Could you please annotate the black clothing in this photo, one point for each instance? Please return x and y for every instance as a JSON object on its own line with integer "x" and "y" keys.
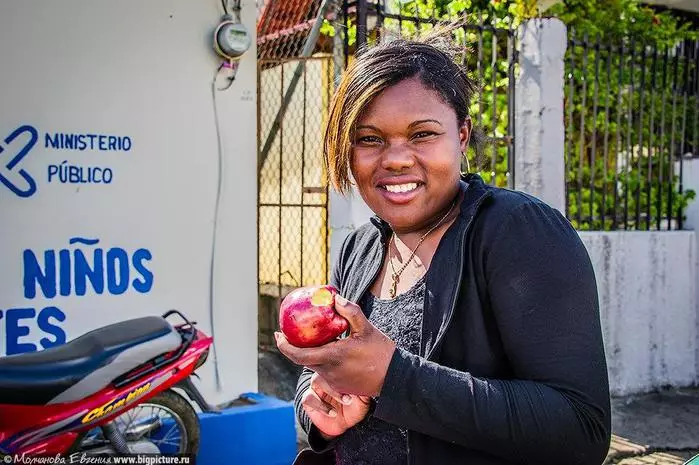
{"x": 511, "y": 367}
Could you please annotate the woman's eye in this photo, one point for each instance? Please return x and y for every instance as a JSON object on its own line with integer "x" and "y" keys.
{"x": 368, "y": 140}
{"x": 423, "y": 134}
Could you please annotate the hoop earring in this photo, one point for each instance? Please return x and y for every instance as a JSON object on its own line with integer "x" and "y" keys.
{"x": 468, "y": 165}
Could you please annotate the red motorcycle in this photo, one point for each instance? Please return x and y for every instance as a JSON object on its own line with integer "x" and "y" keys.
{"x": 107, "y": 392}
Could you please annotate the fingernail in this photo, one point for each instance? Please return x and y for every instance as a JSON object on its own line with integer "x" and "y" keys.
{"x": 346, "y": 399}
{"x": 332, "y": 413}
{"x": 340, "y": 300}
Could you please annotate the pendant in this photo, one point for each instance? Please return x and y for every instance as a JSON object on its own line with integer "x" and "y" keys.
{"x": 392, "y": 291}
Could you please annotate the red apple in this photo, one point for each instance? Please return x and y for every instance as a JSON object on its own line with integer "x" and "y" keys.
{"x": 307, "y": 316}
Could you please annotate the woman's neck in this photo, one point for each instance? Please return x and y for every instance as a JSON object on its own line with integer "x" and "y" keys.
{"x": 440, "y": 221}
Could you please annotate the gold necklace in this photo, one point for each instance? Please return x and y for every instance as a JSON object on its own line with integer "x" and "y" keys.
{"x": 395, "y": 275}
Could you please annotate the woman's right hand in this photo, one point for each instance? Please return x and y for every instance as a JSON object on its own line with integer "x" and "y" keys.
{"x": 333, "y": 413}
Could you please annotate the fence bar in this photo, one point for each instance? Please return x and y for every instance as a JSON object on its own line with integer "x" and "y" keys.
{"x": 281, "y": 179}
{"x": 569, "y": 139}
{"x": 511, "y": 110}
{"x": 345, "y": 31}
{"x": 606, "y": 137}
{"x": 361, "y": 23}
{"x": 594, "y": 134}
{"x": 622, "y": 50}
{"x": 259, "y": 169}
{"x": 494, "y": 68}
{"x": 685, "y": 90}
{"x": 380, "y": 19}
{"x": 671, "y": 170}
{"x": 480, "y": 68}
{"x": 582, "y": 130}
{"x": 303, "y": 162}
{"x": 649, "y": 181}
{"x": 663, "y": 91}
{"x": 629, "y": 130}
{"x": 291, "y": 204}
{"x": 326, "y": 269}
{"x": 640, "y": 136}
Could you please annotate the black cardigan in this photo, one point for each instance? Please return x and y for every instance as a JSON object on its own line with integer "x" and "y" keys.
{"x": 512, "y": 366}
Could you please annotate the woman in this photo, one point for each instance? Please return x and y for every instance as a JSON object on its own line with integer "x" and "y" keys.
{"x": 474, "y": 322}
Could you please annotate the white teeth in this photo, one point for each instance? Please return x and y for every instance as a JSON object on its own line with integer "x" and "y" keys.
{"x": 401, "y": 187}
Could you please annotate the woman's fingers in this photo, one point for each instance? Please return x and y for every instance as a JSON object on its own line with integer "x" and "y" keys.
{"x": 312, "y": 402}
{"x": 324, "y": 390}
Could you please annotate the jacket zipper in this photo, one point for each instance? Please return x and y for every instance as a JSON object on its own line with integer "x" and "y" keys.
{"x": 440, "y": 336}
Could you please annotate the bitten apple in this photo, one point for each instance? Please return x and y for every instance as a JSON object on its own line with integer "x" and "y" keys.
{"x": 307, "y": 316}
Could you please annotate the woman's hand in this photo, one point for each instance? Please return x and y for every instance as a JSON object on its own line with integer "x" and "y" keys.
{"x": 333, "y": 413}
{"x": 356, "y": 364}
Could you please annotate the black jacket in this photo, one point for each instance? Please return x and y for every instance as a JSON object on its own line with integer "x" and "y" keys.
{"x": 512, "y": 366}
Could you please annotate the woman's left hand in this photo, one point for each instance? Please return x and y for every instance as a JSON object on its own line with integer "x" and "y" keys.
{"x": 356, "y": 364}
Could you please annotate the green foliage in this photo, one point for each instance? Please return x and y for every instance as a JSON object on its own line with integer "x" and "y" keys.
{"x": 621, "y": 153}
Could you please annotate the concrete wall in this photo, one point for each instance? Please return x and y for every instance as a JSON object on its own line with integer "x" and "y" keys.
{"x": 141, "y": 70}
{"x": 647, "y": 289}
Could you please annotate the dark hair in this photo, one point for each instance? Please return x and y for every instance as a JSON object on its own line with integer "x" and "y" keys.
{"x": 431, "y": 58}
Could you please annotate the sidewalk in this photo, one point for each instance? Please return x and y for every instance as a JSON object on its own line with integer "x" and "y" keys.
{"x": 660, "y": 428}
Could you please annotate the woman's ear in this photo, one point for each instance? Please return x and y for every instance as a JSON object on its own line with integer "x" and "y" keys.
{"x": 465, "y": 133}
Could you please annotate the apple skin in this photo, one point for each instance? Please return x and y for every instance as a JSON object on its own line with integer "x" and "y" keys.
{"x": 306, "y": 323}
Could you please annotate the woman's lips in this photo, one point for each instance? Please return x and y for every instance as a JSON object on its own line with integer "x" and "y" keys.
{"x": 400, "y": 198}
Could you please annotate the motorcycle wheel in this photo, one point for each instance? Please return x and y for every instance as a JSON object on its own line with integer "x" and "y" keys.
{"x": 179, "y": 411}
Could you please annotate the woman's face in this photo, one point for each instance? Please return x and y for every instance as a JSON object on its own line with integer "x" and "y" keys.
{"x": 406, "y": 155}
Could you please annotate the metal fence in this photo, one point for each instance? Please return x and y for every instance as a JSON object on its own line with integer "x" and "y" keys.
{"x": 293, "y": 192}
{"x": 488, "y": 52}
{"x": 632, "y": 117}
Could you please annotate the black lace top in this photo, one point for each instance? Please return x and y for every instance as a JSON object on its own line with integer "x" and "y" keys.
{"x": 375, "y": 442}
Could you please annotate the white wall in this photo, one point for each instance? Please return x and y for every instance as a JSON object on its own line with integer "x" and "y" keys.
{"x": 142, "y": 70}
{"x": 647, "y": 289}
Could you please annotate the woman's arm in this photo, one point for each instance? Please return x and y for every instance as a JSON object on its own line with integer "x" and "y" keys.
{"x": 544, "y": 297}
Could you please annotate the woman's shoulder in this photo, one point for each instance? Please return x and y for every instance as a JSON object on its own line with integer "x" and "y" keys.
{"x": 497, "y": 208}
{"x": 508, "y": 201}
{"x": 516, "y": 214}
{"x": 499, "y": 201}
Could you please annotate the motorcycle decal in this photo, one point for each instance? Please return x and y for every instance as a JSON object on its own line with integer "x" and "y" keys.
{"x": 26, "y": 438}
{"x": 116, "y": 403}
{"x": 138, "y": 392}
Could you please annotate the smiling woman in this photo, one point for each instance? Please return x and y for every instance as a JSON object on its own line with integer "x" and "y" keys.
{"x": 474, "y": 321}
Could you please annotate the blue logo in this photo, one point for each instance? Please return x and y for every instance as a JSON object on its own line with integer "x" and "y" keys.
{"x": 693, "y": 461}
{"x": 17, "y": 180}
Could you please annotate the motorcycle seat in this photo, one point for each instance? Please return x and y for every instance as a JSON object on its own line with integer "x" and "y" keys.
{"x": 85, "y": 365}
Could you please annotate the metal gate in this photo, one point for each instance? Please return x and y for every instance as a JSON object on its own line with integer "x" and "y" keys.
{"x": 293, "y": 96}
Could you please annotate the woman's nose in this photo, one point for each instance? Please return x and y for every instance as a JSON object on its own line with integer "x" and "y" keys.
{"x": 397, "y": 159}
